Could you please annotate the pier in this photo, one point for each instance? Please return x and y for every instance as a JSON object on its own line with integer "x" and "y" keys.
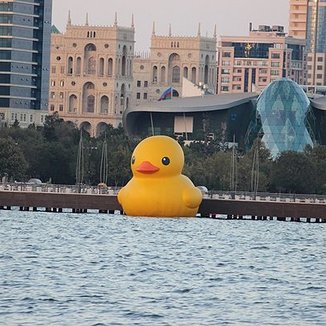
{"x": 214, "y": 205}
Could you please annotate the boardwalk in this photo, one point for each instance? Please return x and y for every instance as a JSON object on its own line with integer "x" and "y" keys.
{"x": 222, "y": 205}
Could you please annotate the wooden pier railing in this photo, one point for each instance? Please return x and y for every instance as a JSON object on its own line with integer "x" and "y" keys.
{"x": 211, "y": 207}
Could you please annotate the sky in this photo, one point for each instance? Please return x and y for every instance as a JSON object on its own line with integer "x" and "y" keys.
{"x": 231, "y": 17}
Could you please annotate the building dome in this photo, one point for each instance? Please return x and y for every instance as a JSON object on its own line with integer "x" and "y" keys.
{"x": 283, "y": 107}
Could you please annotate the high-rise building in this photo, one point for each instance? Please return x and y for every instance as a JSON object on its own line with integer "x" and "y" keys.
{"x": 91, "y": 74}
{"x": 298, "y": 18}
{"x": 316, "y": 42}
{"x": 25, "y": 29}
{"x": 250, "y": 63}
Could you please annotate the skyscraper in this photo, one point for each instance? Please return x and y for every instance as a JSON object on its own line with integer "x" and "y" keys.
{"x": 298, "y": 18}
{"x": 25, "y": 29}
{"x": 316, "y": 42}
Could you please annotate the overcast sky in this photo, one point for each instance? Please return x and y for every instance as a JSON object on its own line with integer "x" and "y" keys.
{"x": 231, "y": 17}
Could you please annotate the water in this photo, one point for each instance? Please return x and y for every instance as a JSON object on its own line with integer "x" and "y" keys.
{"x": 71, "y": 269}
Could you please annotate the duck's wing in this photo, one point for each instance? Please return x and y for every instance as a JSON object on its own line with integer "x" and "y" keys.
{"x": 192, "y": 197}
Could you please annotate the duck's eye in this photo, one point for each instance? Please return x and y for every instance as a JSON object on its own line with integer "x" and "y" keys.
{"x": 133, "y": 159}
{"x": 165, "y": 160}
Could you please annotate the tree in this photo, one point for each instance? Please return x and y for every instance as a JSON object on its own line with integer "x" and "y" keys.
{"x": 12, "y": 161}
{"x": 294, "y": 172}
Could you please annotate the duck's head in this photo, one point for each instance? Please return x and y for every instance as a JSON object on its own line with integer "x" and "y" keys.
{"x": 157, "y": 156}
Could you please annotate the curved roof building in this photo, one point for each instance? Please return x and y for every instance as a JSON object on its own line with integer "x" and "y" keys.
{"x": 193, "y": 118}
{"x": 284, "y": 115}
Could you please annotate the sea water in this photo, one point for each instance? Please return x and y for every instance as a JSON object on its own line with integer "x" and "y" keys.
{"x": 92, "y": 269}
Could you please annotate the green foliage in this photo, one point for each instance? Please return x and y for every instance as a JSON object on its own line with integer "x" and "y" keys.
{"x": 294, "y": 172}
{"x": 50, "y": 153}
{"x": 12, "y": 162}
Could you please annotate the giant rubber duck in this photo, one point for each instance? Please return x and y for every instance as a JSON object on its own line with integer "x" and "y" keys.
{"x": 158, "y": 188}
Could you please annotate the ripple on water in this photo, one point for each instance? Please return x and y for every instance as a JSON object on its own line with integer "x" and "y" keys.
{"x": 71, "y": 269}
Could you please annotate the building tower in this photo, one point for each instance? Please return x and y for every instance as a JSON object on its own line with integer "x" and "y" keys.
{"x": 316, "y": 42}
{"x": 172, "y": 58}
{"x": 91, "y": 74}
{"x": 25, "y": 29}
{"x": 298, "y": 18}
{"x": 250, "y": 63}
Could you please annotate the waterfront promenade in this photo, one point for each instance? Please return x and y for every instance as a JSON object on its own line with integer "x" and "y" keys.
{"x": 219, "y": 205}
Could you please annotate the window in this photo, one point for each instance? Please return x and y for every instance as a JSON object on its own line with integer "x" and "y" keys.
{"x": 52, "y": 95}
{"x": 276, "y": 55}
{"x": 138, "y": 96}
{"x": 275, "y": 64}
{"x": 145, "y": 96}
{"x": 53, "y": 69}
{"x": 61, "y": 95}
{"x": 145, "y": 83}
{"x": 52, "y": 107}
{"x": 62, "y": 83}
{"x": 226, "y": 54}
{"x": 319, "y": 67}
{"x": 60, "y": 107}
{"x": 176, "y": 74}
{"x": 225, "y": 88}
{"x": 320, "y": 59}
{"x": 138, "y": 83}
{"x": 275, "y": 72}
{"x": 52, "y": 82}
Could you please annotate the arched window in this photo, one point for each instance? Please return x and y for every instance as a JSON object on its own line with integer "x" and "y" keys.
{"x": 78, "y": 66}
{"x": 206, "y": 70}
{"x": 163, "y": 74}
{"x": 122, "y": 97}
{"x": 154, "y": 74}
{"x": 174, "y": 68}
{"x": 70, "y": 65}
{"x": 72, "y": 103}
{"x": 104, "y": 104}
{"x": 123, "y": 61}
{"x": 193, "y": 75}
{"x": 101, "y": 68}
{"x": 88, "y": 104}
{"x": 176, "y": 74}
{"x": 110, "y": 67}
{"x": 185, "y": 72}
{"x": 89, "y": 59}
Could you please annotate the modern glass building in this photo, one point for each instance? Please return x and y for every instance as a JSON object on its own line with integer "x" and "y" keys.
{"x": 316, "y": 42}
{"x": 283, "y": 108}
{"x": 25, "y": 30}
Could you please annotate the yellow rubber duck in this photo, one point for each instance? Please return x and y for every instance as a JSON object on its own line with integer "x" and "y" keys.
{"x": 158, "y": 188}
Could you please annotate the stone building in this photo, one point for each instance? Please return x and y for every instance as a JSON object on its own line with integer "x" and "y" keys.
{"x": 172, "y": 58}
{"x": 91, "y": 74}
{"x": 250, "y": 63}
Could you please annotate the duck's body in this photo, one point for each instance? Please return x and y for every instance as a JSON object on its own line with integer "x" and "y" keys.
{"x": 158, "y": 188}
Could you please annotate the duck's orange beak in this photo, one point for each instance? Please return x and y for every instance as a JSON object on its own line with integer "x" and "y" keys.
{"x": 147, "y": 167}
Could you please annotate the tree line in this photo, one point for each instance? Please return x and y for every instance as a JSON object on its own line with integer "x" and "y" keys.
{"x": 50, "y": 154}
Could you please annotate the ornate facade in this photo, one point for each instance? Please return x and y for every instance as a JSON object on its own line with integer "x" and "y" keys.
{"x": 172, "y": 58}
{"x": 91, "y": 74}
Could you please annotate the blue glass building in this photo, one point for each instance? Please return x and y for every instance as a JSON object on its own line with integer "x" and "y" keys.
{"x": 25, "y": 35}
{"x": 283, "y": 108}
{"x": 316, "y": 26}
